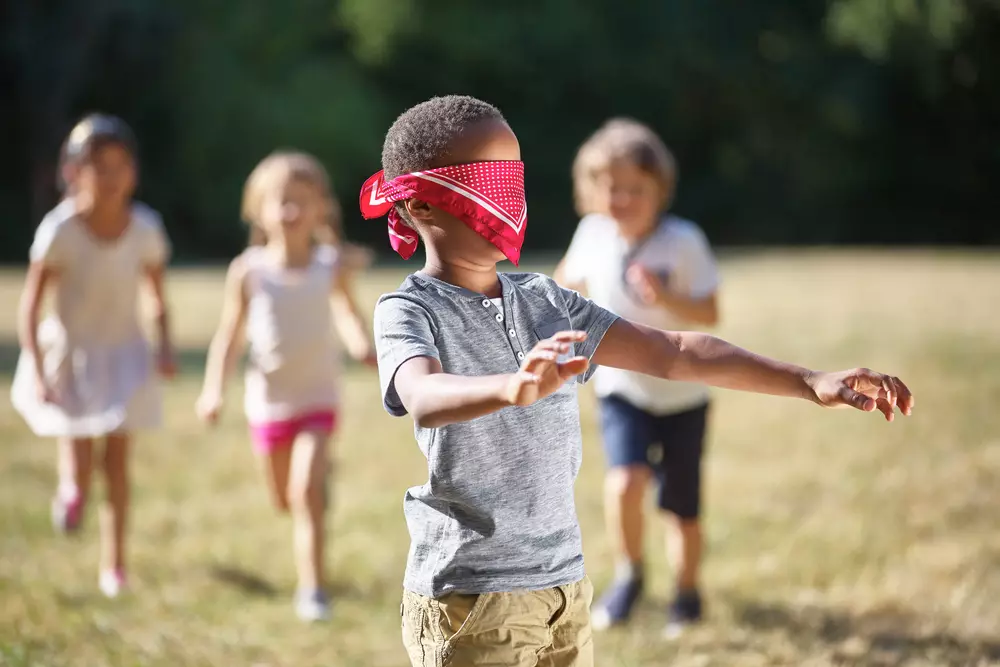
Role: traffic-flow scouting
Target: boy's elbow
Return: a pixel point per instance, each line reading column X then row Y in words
column 426, row 419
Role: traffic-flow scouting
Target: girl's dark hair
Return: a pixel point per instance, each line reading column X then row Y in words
column 93, row 132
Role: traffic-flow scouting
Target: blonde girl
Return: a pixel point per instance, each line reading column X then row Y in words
column 284, row 293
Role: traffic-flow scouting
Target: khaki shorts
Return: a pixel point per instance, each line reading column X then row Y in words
column 547, row 628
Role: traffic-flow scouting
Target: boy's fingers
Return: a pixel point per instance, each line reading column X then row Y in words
column 855, row 399
column 569, row 337
column 552, row 346
column 574, row 367
column 886, row 408
column 537, row 359
column 905, row 397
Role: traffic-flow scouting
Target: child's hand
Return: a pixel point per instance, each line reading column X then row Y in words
column 208, row 407
column 165, row 362
column 647, row 286
column 541, row 373
column 46, row 392
column 862, row 389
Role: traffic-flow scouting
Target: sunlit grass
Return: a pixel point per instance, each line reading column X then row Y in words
column 834, row 538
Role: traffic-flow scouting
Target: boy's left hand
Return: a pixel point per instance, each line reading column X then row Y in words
column 165, row 362
column 648, row 287
column 862, row 389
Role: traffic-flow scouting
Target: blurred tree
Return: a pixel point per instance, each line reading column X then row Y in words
column 808, row 122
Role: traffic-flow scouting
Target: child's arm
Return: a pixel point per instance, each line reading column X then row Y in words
column 414, row 382
column 225, row 344
column 161, row 315
column 696, row 357
column 653, row 292
column 436, row 398
column 350, row 325
column 562, row 276
column 37, row 280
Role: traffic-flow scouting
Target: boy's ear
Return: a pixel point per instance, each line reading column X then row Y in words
column 419, row 211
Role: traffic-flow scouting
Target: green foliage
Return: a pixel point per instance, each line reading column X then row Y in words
column 806, row 122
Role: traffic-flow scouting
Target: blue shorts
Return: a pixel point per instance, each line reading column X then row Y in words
column 671, row 445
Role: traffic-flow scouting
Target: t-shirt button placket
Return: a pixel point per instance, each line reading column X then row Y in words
column 486, row 303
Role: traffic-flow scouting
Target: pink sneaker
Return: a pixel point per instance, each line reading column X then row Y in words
column 112, row 583
column 67, row 513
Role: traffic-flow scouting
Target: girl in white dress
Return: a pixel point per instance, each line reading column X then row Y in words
column 285, row 292
column 86, row 372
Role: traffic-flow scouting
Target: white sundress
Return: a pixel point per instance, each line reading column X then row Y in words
column 94, row 352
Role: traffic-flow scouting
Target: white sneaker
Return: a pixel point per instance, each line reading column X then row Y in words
column 312, row 606
column 112, row 583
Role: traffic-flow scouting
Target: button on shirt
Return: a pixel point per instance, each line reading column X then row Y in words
column 497, row 512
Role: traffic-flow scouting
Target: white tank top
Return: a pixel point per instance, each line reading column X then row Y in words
column 294, row 360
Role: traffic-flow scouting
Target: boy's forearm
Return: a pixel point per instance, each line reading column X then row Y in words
column 698, row 357
column 713, row 361
column 440, row 399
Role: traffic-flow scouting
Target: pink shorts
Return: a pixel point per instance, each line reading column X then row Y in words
column 269, row 436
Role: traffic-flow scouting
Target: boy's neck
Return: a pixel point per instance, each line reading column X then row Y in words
column 479, row 278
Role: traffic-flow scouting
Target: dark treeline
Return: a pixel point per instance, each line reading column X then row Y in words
column 794, row 121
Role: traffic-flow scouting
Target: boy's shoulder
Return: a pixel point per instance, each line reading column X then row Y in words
column 533, row 282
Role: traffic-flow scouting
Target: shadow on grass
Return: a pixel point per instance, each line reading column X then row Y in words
column 886, row 638
column 248, row 582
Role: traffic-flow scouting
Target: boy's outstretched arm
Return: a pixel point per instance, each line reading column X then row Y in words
column 435, row 398
column 697, row 357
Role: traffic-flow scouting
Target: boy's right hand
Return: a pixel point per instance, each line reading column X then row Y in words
column 208, row 407
column 541, row 374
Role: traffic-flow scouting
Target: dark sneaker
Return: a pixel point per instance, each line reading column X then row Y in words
column 684, row 612
column 616, row 605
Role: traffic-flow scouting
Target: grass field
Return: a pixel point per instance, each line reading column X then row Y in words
column 833, row 537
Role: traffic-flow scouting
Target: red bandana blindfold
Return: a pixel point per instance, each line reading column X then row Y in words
column 486, row 196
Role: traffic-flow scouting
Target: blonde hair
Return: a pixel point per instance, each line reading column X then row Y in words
column 274, row 170
column 626, row 140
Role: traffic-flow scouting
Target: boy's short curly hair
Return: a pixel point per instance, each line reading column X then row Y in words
column 423, row 135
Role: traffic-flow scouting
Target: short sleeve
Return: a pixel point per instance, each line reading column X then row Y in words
column 578, row 255
column 155, row 247
column 701, row 274
column 587, row 316
column 403, row 330
column 51, row 246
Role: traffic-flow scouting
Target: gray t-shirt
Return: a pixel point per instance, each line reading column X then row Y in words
column 497, row 512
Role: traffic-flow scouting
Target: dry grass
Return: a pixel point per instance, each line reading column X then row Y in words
column 834, row 538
